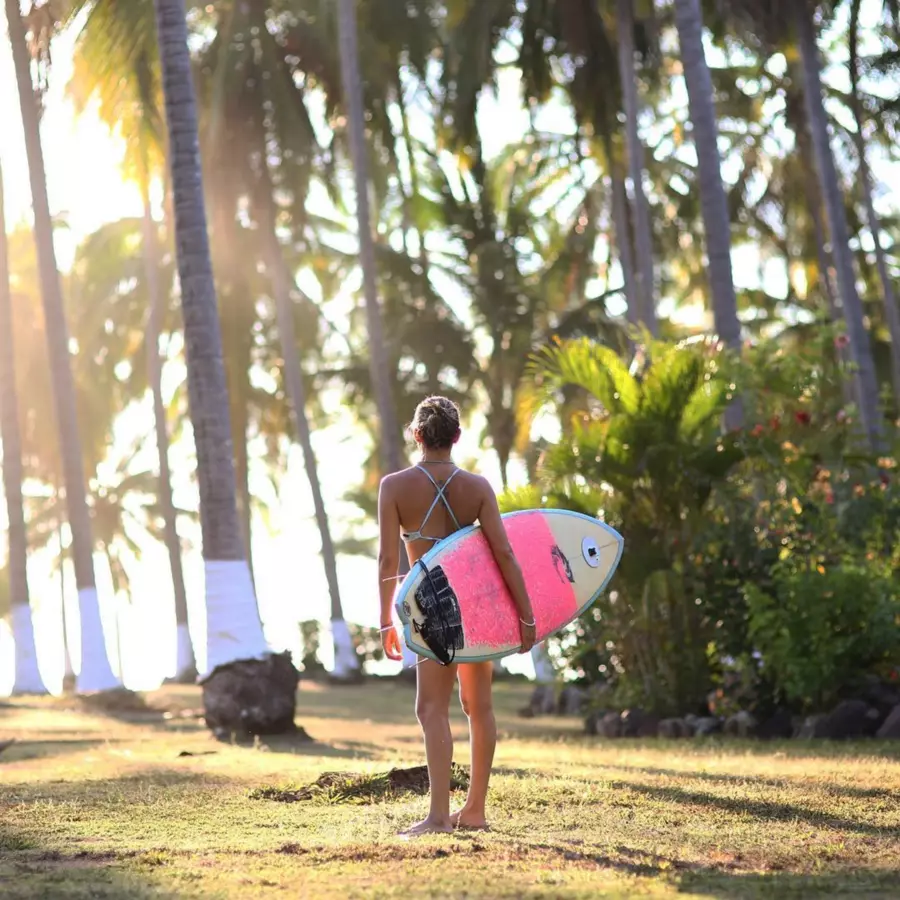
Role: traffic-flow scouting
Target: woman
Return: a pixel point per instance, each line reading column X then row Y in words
column 423, row 505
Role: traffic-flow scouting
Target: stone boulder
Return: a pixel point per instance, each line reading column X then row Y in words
column 543, row 700
column 779, row 726
column 849, row 719
column 638, row 724
column 742, row 724
column 704, row 726
column 674, row 728
column 609, row 725
column 891, row 726
column 571, row 701
column 252, row 697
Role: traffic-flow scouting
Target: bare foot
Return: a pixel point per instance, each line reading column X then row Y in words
column 467, row 821
column 429, row 826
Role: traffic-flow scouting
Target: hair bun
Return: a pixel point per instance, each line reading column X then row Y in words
column 436, row 423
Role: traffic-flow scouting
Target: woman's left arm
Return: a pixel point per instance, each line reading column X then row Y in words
column 388, row 563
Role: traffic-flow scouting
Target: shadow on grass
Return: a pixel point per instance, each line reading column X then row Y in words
column 857, row 883
column 24, row 749
column 726, row 883
column 760, row 809
column 29, row 870
column 845, row 790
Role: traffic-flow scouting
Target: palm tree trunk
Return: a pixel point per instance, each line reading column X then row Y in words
column 96, row 673
column 849, row 385
column 713, row 202
column 346, row 660
column 624, row 247
column 246, row 689
column 26, row 677
column 185, row 665
column 891, row 310
column 646, row 288
column 391, row 453
column 860, row 345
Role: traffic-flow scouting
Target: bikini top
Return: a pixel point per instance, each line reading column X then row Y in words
column 410, row 536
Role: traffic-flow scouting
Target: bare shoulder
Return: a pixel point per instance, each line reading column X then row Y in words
column 390, row 483
column 478, row 484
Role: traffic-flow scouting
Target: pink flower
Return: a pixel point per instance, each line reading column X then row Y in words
column 841, row 341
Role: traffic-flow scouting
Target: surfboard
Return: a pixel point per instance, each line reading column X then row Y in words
column 455, row 606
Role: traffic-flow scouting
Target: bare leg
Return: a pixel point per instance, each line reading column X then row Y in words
column 434, row 687
column 475, row 695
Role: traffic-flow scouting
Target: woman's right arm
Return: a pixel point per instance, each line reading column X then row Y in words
column 492, row 527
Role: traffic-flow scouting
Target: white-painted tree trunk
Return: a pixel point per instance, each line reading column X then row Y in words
column 28, row 676
column 233, row 629
column 184, row 650
column 96, row 673
column 346, row 660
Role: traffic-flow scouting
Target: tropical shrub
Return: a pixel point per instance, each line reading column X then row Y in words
column 642, row 449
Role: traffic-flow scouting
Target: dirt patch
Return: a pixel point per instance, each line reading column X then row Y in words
column 350, row 787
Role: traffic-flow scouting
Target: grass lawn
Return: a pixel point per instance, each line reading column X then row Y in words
column 100, row 805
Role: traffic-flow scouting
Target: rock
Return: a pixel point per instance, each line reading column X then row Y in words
column 592, row 721
column 609, row 726
column 741, row 724
column 638, row 724
column 543, row 700
column 571, row 701
column 891, row 726
column 780, row 725
column 251, row 697
column 674, row 728
column 884, row 697
column 706, row 725
column 812, row 727
column 849, row 719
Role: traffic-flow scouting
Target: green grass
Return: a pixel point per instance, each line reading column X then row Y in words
column 105, row 806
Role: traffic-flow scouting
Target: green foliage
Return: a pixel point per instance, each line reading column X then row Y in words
column 818, row 629
column 643, row 449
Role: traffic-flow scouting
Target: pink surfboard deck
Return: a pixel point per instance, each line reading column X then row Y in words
column 455, row 604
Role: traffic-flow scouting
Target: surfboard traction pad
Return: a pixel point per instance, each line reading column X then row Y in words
column 441, row 626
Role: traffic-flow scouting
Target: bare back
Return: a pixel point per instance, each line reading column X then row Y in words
column 415, row 494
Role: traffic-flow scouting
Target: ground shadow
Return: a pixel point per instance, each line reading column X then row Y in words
column 846, row 790
column 760, row 809
column 25, row 749
column 30, row 869
column 299, row 746
column 727, row 883
column 868, row 883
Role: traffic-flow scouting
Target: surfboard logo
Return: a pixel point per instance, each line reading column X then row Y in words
column 562, row 565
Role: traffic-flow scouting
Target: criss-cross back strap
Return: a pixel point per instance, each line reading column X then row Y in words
column 440, row 497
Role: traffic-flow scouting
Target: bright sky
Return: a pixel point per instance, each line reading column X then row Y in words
column 85, row 189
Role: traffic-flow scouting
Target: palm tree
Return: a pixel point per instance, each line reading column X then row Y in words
column 646, row 288
column 115, row 63
column 716, row 218
column 96, row 673
column 346, row 660
column 185, row 663
column 860, row 345
column 391, row 452
column 245, row 687
column 891, row 310
column 27, row 676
